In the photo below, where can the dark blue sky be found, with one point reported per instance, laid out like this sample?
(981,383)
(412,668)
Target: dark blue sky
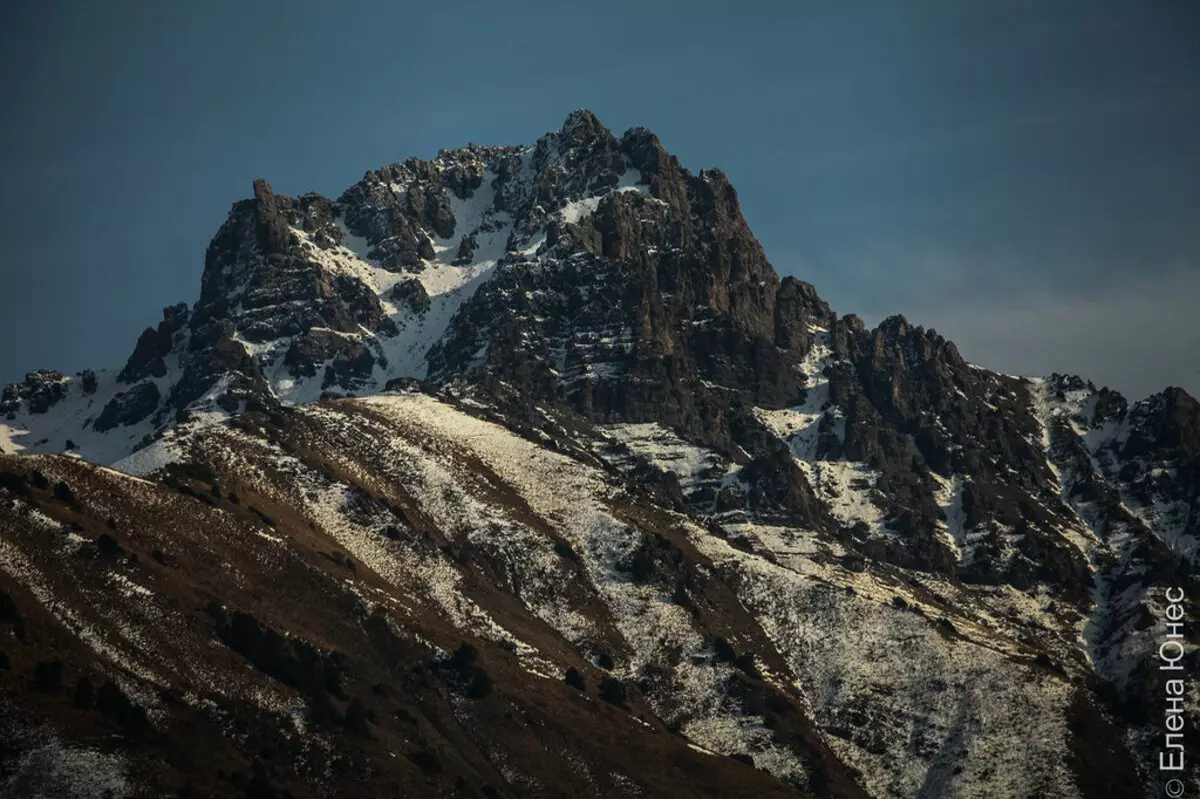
(1022,176)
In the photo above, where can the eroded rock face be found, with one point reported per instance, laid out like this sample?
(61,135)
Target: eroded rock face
(154,345)
(258,275)
(345,362)
(129,407)
(412,295)
(40,389)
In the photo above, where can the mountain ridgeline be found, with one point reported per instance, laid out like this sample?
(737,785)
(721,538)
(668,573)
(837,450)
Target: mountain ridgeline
(521,472)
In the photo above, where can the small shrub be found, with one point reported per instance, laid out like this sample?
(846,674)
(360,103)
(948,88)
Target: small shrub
(426,760)
(898,603)
(267,520)
(641,568)
(463,671)
(322,711)
(14,483)
(741,758)
(115,705)
(745,662)
(680,597)
(604,660)
(8,608)
(612,690)
(85,695)
(481,684)
(107,545)
(47,675)
(777,703)
(464,657)
(574,679)
(357,722)
(63,493)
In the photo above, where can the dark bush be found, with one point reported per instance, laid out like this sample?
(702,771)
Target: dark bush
(85,695)
(741,758)
(462,670)
(723,650)
(574,679)
(357,722)
(613,690)
(5,663)
(107,545)
(777,703)
(481,684)
(321,710)
(641,568)
(267,520)
(681,598)
(8,608)
(292,661)
(745,662)
(14,483)
(464,657)
(261,787)
(39,481)
(899,603)
(113,704)
(62,492)
(604,660)
(1045,662)
(47,675)
(426,760)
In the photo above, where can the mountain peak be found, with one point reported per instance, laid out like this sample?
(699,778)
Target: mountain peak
(542,421)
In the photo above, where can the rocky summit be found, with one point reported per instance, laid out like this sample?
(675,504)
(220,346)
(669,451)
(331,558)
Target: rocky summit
(520,472)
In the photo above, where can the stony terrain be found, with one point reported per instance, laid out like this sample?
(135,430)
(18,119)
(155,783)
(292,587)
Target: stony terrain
(520,472)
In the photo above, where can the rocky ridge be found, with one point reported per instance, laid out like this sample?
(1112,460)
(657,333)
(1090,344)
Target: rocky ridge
(763,471)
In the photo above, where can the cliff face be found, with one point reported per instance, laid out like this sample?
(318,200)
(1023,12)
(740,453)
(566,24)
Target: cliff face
(520,470)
